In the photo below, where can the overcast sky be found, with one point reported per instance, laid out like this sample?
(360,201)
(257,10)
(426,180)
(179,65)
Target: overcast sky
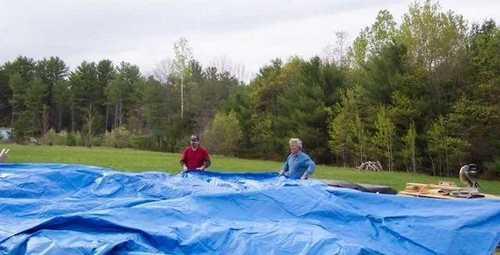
(248,32)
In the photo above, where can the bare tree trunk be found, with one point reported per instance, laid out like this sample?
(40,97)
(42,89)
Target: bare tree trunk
(12,114)
(59,118)
(343,156)
(45,119)
(388,155)
(115,121)
(120,112)
(390,158)
(90,122)
(446,164)
(441,167)
(433,166)
(182,96)
(106,125)
(414,161)
(72,117)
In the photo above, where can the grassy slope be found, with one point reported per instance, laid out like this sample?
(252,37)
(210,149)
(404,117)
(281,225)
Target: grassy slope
(134,160)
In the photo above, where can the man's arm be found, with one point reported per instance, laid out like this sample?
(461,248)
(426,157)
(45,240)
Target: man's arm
(206,161)
(285,167)
(183,165)
(311,167)
(183,160)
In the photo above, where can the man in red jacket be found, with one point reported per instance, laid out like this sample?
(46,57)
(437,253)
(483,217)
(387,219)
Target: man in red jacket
(195,157)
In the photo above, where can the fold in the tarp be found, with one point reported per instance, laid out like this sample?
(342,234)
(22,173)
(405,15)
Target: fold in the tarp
(75,209)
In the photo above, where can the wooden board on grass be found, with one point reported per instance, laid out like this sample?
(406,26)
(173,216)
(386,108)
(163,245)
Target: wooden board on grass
(443,191)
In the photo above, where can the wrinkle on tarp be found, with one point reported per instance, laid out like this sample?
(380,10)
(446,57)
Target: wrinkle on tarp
(75,209)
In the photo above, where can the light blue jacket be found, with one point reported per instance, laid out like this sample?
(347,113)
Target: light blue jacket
(296,165)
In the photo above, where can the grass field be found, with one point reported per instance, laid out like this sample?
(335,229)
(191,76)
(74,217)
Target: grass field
(135,160)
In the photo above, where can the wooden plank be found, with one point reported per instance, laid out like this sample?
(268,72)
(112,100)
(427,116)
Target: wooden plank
(442,191)
(434,186)
(427,195)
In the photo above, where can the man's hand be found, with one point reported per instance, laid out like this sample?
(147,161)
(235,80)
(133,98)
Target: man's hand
(3,154)
(304,177)
(184,170)
(282,172)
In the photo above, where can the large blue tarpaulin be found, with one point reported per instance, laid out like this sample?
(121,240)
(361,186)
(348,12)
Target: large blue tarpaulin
(74,209)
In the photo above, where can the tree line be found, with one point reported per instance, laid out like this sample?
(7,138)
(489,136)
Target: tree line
(41,97)
(422,96)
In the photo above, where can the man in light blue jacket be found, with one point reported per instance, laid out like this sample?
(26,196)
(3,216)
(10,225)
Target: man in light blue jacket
(298,165)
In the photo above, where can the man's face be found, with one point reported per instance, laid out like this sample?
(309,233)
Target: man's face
(294,148)
(195,143)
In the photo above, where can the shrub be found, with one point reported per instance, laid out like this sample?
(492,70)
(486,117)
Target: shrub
(492,170)
(97,141)
(79,139)
(53,138)
(73,139)
(224,134)
(118,138)
(48,138)
(70,139)
(143,142)
(60,138)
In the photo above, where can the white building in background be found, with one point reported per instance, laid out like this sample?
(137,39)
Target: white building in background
(5,134)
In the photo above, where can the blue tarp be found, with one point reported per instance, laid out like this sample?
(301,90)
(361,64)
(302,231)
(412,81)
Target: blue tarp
(75,209)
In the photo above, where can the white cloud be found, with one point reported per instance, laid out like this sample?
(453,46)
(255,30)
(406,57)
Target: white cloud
(249,32)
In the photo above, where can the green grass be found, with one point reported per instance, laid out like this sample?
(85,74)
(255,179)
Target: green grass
(135,160)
